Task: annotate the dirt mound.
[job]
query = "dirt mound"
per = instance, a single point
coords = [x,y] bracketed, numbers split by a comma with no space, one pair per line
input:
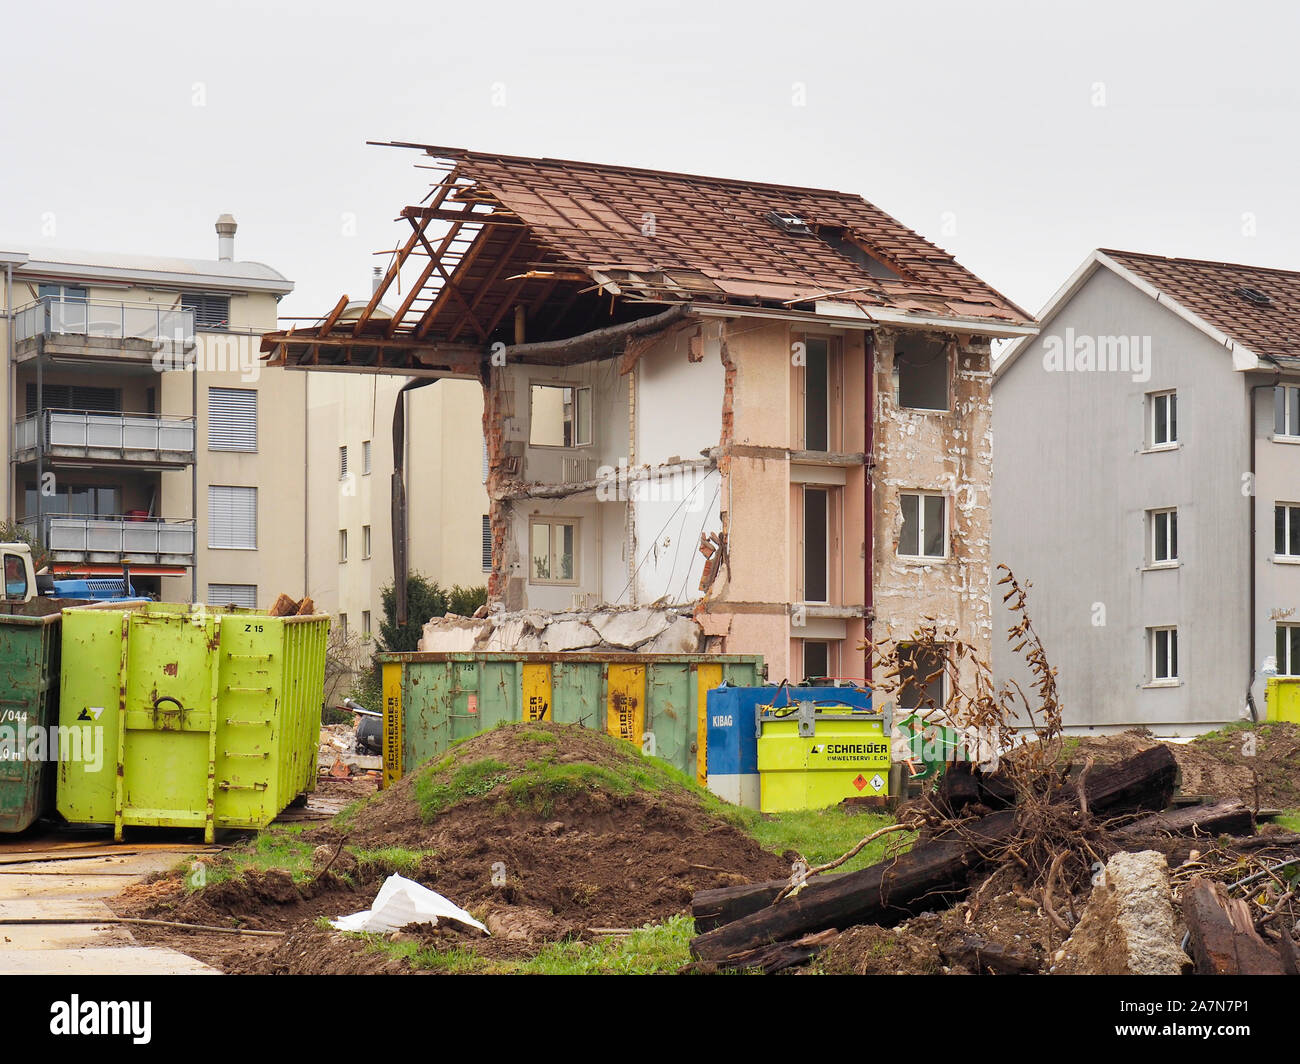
[1222,764]
[560,819]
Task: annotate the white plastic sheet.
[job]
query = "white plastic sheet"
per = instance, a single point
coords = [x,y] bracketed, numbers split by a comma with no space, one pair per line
[400,902]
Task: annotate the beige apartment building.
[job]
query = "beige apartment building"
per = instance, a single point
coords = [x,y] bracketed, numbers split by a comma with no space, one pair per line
[144,430]
[350,439]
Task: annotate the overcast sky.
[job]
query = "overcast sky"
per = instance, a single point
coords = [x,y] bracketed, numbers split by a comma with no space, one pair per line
[1018,136]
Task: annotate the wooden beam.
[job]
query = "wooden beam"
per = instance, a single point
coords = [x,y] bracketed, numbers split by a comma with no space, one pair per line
[333,315]
[486,284]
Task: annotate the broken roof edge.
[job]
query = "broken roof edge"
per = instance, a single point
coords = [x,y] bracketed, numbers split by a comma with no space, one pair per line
[1243,358]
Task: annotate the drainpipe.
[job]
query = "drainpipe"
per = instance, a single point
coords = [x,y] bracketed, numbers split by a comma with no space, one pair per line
[868,531]
[1252,573]
[11,490]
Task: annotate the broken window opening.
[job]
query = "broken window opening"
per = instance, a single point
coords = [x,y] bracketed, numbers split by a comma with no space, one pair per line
[816,544]
[817,394]
[921,676]
[559,416]
[924,533]
[818,659]
[553,545]
[921,372]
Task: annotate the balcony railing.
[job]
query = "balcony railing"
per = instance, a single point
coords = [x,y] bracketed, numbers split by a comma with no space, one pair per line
[167,328]
[114,539]
[146,438]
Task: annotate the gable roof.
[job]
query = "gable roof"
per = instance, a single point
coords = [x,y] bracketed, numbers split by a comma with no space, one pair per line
[1252,311]
[541,232]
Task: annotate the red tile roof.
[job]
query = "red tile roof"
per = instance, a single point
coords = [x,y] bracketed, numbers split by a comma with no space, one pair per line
[645,229]
[1223,294]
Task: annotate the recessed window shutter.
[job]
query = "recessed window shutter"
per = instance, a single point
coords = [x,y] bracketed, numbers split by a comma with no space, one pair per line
[233,595]
[232,516]
[232,419]
[487,544]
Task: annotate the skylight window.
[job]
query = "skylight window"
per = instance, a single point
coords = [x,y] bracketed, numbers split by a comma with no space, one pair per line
[788,221]
[1254,296]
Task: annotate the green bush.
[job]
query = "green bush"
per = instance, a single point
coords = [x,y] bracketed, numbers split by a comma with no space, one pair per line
[425,599]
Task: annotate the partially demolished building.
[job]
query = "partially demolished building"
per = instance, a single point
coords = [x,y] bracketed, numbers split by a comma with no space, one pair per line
[767,406]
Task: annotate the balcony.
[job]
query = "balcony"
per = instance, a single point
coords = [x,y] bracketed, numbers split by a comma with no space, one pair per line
[144,440]
[90,328]
[87,539]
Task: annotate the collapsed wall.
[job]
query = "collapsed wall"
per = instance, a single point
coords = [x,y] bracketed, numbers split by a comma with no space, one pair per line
[607,630]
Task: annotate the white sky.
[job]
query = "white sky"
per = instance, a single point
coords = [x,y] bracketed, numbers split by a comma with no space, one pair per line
[129,127]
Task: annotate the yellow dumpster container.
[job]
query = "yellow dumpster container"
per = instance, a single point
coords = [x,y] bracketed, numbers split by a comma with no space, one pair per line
[1282,698]
[188,716]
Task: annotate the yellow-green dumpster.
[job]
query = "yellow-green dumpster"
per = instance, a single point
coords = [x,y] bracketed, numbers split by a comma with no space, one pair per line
[188,716]
[816,754]
[1282,698]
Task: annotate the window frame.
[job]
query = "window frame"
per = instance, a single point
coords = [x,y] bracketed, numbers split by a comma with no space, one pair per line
[1170,513]
[1290,395]
[365,458]
[230,600]
[832,657]
[1289,508]
[1288,649]
[577,410]
[200,311]
[343,461]
[485,545]
[343,546]
[1171,420]
[1170,634]
[947,358]
[365,542]
[829,509]
[553,521]
[256,421]
[944,655]
[920,494]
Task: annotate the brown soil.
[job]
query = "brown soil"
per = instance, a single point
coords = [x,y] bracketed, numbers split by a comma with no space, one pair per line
[590,858]
[1220,766]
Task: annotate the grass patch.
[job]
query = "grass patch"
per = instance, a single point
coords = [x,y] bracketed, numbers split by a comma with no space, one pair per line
[278,847]
[536,735]
[1290,820]
[457,961]
[387,860]
[542,782]
[471,780]
[821,835]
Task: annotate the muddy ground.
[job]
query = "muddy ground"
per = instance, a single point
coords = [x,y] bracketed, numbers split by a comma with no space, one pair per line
[577,847]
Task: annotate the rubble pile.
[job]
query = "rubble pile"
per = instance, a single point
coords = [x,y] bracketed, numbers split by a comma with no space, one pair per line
[609,629]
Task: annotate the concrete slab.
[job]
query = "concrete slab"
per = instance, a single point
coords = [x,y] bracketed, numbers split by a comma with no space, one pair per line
[123,960]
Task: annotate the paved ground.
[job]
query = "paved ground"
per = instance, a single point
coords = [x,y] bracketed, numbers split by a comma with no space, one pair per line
[44,881]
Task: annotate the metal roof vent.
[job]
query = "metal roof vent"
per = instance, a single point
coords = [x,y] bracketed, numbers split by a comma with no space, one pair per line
[1253,296]
[789,222]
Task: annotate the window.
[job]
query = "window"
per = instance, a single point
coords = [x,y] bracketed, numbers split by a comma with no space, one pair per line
[232,419]
[1288,649]
[925,531]
[485,460]
[80,500]
[15,586]
[365,541]
[75,397]
[1164,536]
[343,624]
[365,458]
[211,312]
[816,544]
[816,394]
[343,463]
[244,595]
[1286,530]
[1286,410]
[232,517]
[559,416]
[920,676]
[1164,419]
[553,543]
[61,293]
[921,369]
[1164,654]
[487,544]
[365,624]
[817,659]
[343,545]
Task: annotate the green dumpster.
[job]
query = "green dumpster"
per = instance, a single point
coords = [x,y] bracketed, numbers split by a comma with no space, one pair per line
[189,716]
[657,701]
[29,699]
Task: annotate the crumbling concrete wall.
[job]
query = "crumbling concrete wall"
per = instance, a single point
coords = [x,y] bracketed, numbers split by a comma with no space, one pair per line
[935,451]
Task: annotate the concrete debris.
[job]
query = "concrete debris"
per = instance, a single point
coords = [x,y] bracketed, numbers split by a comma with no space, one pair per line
[609,629]
[1128,926]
